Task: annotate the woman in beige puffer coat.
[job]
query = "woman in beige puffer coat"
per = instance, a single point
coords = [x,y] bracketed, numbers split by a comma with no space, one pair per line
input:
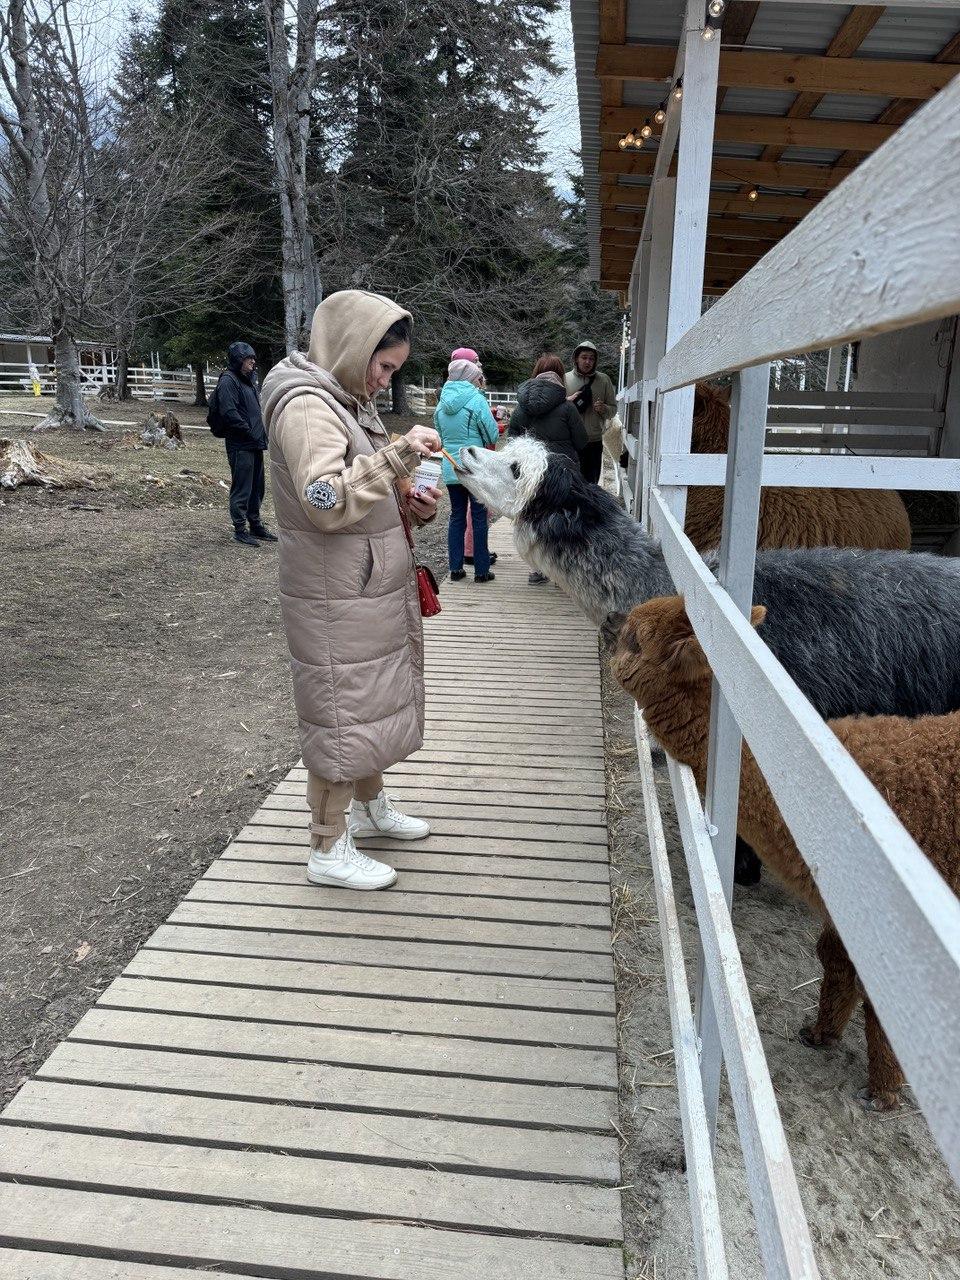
[347,580]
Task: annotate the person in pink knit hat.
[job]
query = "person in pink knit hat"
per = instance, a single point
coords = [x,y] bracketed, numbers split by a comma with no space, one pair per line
[468,353]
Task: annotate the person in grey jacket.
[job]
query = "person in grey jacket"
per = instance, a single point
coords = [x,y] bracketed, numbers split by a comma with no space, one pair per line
[544,412]
[593,394]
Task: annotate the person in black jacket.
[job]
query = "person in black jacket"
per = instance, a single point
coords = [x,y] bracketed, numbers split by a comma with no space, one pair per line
[543,411]
[238,403]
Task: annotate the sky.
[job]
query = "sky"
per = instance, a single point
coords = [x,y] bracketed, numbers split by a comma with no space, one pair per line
[561,122]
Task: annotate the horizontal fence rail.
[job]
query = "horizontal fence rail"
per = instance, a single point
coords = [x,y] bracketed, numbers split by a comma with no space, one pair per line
[877,253]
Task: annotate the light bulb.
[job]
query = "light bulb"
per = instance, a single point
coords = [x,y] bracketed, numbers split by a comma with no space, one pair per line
[678,92]
[646,131]
[631,138]
[716,7]
[660,115]
[708,33]
[753,194]
[622,144]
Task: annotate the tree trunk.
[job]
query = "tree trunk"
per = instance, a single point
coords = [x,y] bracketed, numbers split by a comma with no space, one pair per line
[123,370]
[200,399]
[71,412]
[398,393]
[291,92]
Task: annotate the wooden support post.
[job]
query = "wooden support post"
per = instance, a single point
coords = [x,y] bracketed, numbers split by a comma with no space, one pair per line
[738,553]
[701,60]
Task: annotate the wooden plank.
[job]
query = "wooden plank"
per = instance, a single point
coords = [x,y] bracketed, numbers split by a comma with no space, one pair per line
[380,924]
[816,177]
[299,1125]
[880,252]
[190,995]
[537,828]
[333,1187]
[437,805]
[198,1234]
[407,1084]
[585,761]
[701,1181]
[230,1032]
[754,69]
[400,901]
[413,860]
[770,203]
[814,471]
[399,953]
[476,844]
[450,989]
[29,1264]
[831,135]
[469,791]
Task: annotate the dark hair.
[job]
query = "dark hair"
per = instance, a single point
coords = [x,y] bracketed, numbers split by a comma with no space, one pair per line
[549,364]
[399,332]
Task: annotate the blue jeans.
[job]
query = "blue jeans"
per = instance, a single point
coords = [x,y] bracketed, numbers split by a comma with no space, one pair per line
[457,528]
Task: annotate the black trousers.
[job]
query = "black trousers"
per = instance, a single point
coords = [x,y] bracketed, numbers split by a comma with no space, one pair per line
[248,485]
[591,461]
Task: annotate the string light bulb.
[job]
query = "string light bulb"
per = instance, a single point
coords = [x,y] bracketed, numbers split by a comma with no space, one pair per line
[753,194]
[678,90]
[660,115]
[631,138]
[707,33]
[622,144]
[647,129]
[716,7]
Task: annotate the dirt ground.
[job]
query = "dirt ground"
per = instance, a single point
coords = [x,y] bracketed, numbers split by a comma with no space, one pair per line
[878,1196]
[145,709]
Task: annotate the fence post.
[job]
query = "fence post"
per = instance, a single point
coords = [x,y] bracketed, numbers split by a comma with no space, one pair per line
[735,571]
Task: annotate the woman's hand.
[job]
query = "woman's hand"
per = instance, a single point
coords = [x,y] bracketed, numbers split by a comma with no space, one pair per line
[423,504]
[424,439]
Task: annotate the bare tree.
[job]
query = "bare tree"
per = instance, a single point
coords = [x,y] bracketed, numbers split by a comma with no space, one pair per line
[47,181]
[292,86]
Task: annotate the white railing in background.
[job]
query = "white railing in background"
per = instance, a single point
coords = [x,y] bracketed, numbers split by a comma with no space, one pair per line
[145,382]
[882,251]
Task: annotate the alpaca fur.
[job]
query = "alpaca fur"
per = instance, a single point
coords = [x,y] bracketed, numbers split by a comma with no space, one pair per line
[861,632]
[874,519]
[913,763]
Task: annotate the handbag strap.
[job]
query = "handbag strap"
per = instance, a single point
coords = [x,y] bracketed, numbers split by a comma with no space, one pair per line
[404,519]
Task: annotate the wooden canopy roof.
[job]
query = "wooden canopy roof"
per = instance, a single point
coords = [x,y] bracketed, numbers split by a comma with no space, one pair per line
[767,147]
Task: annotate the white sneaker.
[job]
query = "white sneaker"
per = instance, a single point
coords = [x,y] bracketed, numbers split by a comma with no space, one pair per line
[344,865]
[380,818]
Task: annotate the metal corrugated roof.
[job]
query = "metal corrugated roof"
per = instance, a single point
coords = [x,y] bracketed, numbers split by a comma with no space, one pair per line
[901,33]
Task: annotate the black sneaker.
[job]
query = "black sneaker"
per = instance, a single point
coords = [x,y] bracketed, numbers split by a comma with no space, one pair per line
[457,575]
[247,539]
[485,577]
[263,533]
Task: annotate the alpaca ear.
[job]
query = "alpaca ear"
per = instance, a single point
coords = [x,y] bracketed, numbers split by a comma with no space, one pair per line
[757,614]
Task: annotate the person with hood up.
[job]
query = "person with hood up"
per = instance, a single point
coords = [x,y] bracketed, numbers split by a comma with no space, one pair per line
[238,406]
[348,585]
[593,395]
[463,418]
[544,412]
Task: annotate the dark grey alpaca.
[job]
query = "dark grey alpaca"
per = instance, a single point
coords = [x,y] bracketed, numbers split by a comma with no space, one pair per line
[860,632]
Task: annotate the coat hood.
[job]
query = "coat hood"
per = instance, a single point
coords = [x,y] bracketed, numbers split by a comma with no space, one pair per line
[346,329]
[237,352]
[585,346]
[455,396]
[539,396]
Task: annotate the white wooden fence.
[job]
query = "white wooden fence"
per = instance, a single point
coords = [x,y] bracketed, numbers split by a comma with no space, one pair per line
[146,382]
[882,251]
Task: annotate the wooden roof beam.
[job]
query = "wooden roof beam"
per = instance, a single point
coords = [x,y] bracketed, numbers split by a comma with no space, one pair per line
[750,69]
[832,135]
[738,228]
[815,177]
[773,206]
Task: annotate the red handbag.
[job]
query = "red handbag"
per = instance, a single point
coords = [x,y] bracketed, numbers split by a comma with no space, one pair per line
[428,591]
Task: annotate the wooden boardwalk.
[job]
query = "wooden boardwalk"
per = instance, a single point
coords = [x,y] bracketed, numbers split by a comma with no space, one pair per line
[290,1081]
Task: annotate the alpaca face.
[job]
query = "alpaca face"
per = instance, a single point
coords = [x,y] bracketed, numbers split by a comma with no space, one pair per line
[656,654]
[507,479]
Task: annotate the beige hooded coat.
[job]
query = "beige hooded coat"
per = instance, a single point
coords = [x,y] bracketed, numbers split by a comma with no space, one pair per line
[347,582]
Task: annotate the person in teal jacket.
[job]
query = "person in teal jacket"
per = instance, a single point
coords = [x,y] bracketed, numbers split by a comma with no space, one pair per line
[463,418]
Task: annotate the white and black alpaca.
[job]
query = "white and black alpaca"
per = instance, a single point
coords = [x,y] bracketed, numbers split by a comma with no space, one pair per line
[860,632]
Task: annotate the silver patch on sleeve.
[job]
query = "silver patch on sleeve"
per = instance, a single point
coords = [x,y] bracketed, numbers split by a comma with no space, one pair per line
[321,495]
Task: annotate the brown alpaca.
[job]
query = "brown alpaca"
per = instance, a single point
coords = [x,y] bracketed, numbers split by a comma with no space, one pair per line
[913,763]
[874,519]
